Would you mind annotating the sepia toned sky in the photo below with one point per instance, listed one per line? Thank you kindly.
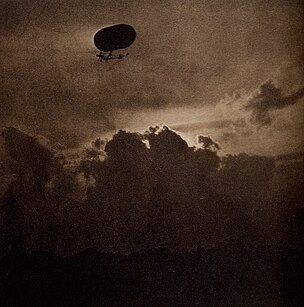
(229, 69)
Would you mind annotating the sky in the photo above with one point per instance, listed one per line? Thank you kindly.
(232, 70)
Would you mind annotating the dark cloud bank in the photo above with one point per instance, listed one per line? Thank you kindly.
(198, 224)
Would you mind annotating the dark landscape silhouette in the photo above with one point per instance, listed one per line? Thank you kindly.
(146, 220)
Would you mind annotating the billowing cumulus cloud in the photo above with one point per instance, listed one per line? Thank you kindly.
(137, 190)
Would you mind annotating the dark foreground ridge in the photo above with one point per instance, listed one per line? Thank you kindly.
(226, 275)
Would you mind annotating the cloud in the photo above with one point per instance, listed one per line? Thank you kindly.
(265, 120)
(257, 107)
(52, 84)
(149, 190)
(268, 98)
(207, 143)
(160, 195)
